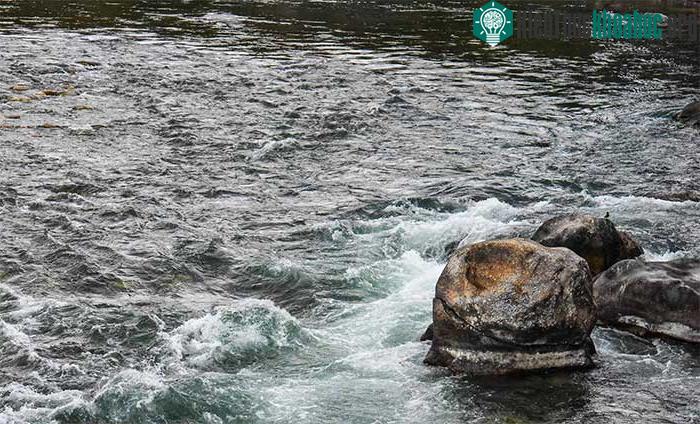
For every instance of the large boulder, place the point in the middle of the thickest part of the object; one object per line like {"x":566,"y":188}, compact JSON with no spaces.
{"x":594,"y":239}
{"x":661,"y":298}
{"x":507,"y":306}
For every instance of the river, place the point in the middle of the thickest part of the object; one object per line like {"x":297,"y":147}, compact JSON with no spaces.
{"x":236,"y":212}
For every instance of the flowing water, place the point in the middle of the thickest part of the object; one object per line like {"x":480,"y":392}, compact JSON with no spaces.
{"x":222,"y":212}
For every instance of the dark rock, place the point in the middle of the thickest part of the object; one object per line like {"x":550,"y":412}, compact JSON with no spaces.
{"x":629,"y":249}
{"x":660,"y":298}
{"x":508,"y":306}
{"x":428,"y":334}
{"x":690,"y":114}
{"x":594,"y":239}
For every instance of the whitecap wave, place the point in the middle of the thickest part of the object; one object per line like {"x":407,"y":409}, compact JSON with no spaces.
{"x":245,"y":331}
{"x":24,"y":405}
{"x":15,"y":342}
{"x":428,"y":231}
{"x":638,"y":203}
{"x":273,"y":146}
{"x":147,"y":396}
{"x":484,"y":219}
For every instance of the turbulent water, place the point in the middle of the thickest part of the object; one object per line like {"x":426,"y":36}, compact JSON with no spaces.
{"x":220,"y":212}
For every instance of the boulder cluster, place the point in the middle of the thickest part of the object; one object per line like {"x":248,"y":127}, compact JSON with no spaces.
{"x":519,"y":305}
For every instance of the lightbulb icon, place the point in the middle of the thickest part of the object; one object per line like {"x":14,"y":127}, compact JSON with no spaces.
{"x":493,"y":21}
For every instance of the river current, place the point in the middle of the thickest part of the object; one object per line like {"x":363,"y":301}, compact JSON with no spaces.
{"x":236,"y":212}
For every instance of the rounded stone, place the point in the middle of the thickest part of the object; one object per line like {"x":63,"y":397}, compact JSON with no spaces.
{"x":513,"y":305}
{"x":651,"y":298}
{"x":594,"y":239}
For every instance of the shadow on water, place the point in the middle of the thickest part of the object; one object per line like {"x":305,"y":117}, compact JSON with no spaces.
{"x":552,"y":397}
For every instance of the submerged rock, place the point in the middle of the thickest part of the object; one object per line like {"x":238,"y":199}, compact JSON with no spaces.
{"x":594,"y":239}
{"x":690,"y":114}
{"x":660,"y":298}
{"x":513,"y":305}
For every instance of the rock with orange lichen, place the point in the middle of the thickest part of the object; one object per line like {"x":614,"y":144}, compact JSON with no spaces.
{"x":507,"y":306}
{"x":594,"y":239}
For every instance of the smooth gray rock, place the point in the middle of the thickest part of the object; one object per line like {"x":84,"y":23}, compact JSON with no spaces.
{"x":507,"y":306}
{"x":594,"y":239}
{"x":647,"y":298}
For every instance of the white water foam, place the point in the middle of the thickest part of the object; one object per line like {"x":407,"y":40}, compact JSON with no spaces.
{"x":238,"y":331}
{"x":25,"y":405}
{"x":487,"y":218}
{"x":20,"y":321}
{"x":639,"y":203}
{"x":374,"y":355}
{"x":665,"y":256}
{"x":273,"y":146}
{"x":409,"y":306}
{"x":426,"y":230}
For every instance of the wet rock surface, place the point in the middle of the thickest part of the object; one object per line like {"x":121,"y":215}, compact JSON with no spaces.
{"x":594,"y":239}
{"x":428,"y":334}
{"x":690,"y":114}
{"x":652,"y":298}
{"x":509,"y":306}
{"x":629,"y":248}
